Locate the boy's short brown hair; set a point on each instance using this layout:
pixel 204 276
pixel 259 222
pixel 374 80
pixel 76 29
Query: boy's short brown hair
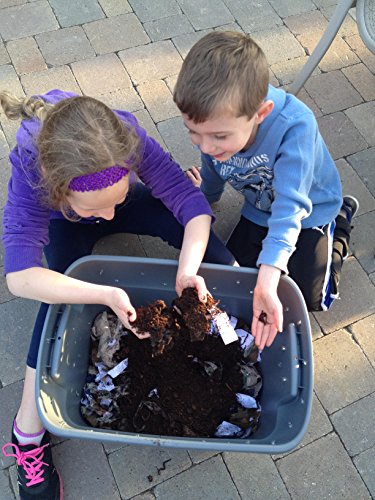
pixel 224 70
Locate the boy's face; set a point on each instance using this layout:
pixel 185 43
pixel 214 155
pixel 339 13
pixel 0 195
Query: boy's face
pixel 223 136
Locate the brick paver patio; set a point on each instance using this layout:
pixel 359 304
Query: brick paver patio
pixel 128 54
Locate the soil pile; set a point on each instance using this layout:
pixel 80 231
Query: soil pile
pixel 182 381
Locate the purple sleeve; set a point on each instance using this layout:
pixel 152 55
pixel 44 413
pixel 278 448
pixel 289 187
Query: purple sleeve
pixel 25 220
pixel 169 183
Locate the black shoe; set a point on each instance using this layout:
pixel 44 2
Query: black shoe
pixel 37 478
pixel 350 206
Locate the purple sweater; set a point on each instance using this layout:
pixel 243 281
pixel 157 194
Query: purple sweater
pixel 26 220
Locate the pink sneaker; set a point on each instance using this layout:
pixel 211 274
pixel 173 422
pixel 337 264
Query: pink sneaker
pixel 38 479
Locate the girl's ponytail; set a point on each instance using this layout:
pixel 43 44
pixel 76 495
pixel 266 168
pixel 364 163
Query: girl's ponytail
pixel 24 108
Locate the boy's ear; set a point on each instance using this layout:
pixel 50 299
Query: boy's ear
pixel 264 110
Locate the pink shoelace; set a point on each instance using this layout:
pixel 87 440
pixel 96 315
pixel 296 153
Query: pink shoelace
pixel 31 461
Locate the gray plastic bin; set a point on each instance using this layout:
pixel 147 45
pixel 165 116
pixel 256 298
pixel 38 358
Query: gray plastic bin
pixel 287 367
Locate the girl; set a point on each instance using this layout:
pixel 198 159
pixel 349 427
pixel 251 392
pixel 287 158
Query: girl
pixel 73 182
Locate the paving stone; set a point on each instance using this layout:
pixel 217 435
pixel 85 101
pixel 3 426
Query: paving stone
pixel 10 128
pixel 210 479
pixel 4 151
pixel 278 44
pixel 305 98
pixel 171 82
pixel 229 27
pixel 145 121
pixel 372 278
pixel 85 477
pixel 348 27
pixel 10 399
pixel 306 23
pixel 184 43
pixel 332 92
pixel 116 33
pixel 360 49
pixel 55 78
pixel 151 62
pixel 362 79
pixel 365 463
pixel 341 135
pixel 198 456
pixel 5 295
pixel 158 100
pixel 145 496
pixel 26 56
pixel 363 117
pixel 206 13
pixel 273 80
pixel 71 12
pixel 120 244
pixel 253 16
pixel 127 99
pixel 316 331
pixel 353 305
pixel 10 3
pixel 9 81
pixel 309 28
pixel 227 211
pixel 156 248
pixel 178 143
pixel 5 489
pixel 319 426
pixel 362 241
pixel 286 71
pixel 287 8
pixel 363 162
pixel 65 46
pixel 26 20
pixel 18 317
pixel 263 473
pixel 4 57
pixel 168 27
pixel 352 184
pixel 363 332
pixel 342 372
pixel 157 9
pixel 4 178
pixel 141 462
pixel 115 7
pixel 322 470
pixel 353 425
pixel 101 75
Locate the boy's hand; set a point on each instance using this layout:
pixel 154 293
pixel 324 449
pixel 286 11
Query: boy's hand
pixel 184 281
pixel 194 175
pixel 267 308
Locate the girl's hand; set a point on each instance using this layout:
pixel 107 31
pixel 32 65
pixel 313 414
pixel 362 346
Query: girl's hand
pixel 185 281
pixel 194 175
pixel 120 304
pixel 267 308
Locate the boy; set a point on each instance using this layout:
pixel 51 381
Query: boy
pixel 267 145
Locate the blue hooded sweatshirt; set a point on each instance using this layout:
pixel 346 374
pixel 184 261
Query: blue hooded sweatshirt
pixel 287 177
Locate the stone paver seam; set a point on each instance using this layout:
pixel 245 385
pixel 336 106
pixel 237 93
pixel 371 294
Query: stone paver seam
pixel 349 330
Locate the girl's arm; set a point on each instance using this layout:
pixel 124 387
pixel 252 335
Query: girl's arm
pixel 194 244
pixel 51 287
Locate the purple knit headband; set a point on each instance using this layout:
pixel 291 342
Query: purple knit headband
pixel 98 180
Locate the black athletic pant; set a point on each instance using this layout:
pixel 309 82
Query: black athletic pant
pixel 316 263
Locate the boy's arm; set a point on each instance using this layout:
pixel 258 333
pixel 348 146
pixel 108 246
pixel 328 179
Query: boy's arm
pixel 212 184
pixel 293 177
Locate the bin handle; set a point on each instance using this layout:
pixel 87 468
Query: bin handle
pixel 58 327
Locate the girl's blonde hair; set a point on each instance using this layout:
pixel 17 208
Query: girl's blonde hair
pixel 223 71
pixel 78 135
